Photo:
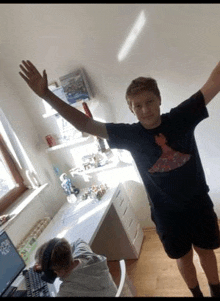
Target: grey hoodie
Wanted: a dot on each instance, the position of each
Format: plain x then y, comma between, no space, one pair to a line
91,278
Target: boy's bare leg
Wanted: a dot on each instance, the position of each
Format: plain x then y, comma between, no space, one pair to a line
188,270
209,264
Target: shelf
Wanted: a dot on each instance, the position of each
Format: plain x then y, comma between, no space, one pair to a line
52,113
114,163
75,142
76,105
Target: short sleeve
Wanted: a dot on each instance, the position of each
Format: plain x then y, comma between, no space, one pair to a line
190,112
121,135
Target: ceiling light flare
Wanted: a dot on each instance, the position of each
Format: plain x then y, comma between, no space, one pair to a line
135,31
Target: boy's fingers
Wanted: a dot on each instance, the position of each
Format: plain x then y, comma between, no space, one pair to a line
30,64
24,77
28,67
24,70
45,74
32,67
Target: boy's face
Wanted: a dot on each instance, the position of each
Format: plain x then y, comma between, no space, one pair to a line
146,107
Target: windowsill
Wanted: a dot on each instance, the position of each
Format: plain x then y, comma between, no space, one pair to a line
22,202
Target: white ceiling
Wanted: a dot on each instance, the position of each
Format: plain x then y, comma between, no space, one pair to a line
179,45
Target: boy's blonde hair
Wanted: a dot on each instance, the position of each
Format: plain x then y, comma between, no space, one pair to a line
141,84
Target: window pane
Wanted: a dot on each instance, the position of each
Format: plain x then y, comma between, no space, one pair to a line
7,182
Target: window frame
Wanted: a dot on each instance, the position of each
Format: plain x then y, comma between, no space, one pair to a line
9,198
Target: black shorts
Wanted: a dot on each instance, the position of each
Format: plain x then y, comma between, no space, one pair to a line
178,231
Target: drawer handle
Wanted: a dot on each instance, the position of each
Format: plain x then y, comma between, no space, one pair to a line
118,193
122,200
136,232
131,222
125,210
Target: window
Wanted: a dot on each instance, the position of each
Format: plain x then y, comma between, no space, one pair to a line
11,181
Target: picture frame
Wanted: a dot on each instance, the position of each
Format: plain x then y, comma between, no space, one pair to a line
75,87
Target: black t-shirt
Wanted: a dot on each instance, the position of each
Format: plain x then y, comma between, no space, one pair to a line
167,156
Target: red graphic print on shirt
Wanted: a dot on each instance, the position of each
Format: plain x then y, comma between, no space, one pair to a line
170,159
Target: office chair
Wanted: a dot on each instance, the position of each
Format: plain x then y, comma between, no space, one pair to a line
123,277
126,287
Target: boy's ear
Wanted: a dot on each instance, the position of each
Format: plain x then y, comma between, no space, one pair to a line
131,109
37,267
56,272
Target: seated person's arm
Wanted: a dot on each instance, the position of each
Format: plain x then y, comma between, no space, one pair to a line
81,247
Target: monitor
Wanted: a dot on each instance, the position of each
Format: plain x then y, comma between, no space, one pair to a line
11,262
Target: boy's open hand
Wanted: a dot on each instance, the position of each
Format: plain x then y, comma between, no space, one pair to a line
34,79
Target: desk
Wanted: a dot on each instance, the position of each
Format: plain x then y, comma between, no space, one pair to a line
109,226
80,220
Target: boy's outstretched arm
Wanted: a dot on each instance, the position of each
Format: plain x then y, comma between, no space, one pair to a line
212,86
39,85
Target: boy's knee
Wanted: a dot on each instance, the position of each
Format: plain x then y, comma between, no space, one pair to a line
186,259
203,252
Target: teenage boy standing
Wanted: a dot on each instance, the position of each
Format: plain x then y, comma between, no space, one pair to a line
165,152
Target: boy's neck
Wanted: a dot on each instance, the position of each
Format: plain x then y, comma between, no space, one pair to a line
73,265
153,126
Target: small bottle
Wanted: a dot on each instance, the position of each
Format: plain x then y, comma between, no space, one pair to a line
71,198
32,177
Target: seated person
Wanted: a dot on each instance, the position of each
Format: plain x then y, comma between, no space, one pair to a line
82,272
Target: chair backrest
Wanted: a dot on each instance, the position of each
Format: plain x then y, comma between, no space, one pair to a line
122,279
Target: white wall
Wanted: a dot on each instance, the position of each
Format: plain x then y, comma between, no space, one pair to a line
25,129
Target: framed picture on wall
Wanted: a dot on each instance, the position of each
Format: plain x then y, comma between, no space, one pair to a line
75,87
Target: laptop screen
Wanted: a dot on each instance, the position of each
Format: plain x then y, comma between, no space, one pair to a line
11,263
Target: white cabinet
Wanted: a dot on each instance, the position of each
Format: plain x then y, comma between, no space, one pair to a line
120,235
128,218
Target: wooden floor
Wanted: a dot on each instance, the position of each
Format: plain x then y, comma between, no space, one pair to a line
154,274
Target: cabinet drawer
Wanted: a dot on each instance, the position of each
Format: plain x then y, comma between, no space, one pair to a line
137,242
129,222
120,203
